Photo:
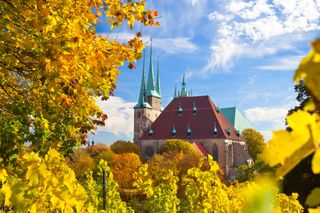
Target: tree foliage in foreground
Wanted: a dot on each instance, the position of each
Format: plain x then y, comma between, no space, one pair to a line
204,192
53,66
287,148
47,185
302,173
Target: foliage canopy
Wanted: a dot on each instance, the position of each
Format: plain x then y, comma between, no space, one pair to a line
53,66
177,145
254,141
120,147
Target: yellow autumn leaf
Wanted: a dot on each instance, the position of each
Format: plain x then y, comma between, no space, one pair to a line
309,70
6,189
282,145
313,198
3,175
317,210
286,148
316,162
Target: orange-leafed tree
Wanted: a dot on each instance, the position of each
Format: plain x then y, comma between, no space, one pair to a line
53,66
124,167
80,162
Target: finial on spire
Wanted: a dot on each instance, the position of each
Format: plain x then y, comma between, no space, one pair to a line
175,95
184,79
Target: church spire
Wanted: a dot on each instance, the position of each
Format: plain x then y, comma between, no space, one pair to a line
150,84
184,91
184,80
158,80
142,95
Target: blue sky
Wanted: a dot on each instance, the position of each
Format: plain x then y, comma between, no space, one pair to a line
241,53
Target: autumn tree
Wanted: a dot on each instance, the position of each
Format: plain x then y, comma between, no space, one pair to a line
125,165
120,147
53,66
80,162
254,141
177,145
98,149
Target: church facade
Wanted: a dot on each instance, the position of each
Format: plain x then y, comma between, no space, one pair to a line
195,119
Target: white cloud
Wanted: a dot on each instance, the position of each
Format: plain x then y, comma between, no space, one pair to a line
120,116
267,134
269,118
264,114
257,28
194,2
168,45
175,45
283,64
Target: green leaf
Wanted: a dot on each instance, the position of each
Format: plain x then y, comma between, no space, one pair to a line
313,198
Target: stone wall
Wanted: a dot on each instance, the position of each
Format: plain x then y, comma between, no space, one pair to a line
143,118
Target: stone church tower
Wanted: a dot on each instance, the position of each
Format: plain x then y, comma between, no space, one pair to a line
149,105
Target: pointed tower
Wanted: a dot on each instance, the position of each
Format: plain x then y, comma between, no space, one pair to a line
149,104
142,102
153,96
184,91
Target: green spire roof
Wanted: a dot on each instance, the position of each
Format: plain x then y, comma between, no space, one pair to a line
235,117
158,80
142,96
184,80
184,91
150,84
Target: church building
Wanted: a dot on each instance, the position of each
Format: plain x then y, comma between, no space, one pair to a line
195,119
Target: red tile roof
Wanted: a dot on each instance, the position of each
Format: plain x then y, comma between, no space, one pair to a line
201,123
201,148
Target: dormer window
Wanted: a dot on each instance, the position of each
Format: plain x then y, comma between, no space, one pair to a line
180,109
150,132
215,130
238,133
189,130
174,131
228,131
194,108
218,109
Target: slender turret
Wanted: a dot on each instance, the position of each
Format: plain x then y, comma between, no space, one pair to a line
151,91
142,102
184,91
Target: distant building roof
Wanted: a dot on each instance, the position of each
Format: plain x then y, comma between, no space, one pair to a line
191,124
200,148
235,117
